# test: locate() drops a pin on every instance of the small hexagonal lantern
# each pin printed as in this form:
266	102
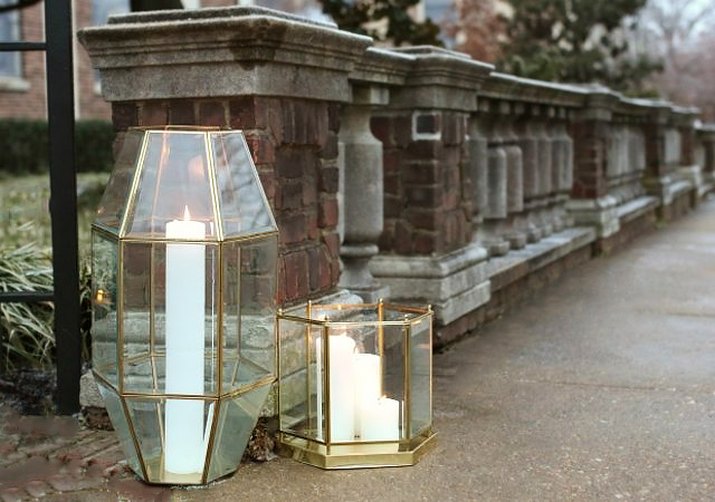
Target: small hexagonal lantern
184	270
356	384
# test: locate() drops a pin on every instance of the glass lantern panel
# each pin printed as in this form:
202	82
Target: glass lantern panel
236	421
115	410
104	307
294	370
420	376
394	379
244	208
174	189
173	437
114	200
174	348
248	311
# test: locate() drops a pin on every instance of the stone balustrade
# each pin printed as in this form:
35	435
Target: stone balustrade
416	174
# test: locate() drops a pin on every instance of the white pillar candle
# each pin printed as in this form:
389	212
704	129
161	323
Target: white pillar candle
342	384
185	318
380	420
368	388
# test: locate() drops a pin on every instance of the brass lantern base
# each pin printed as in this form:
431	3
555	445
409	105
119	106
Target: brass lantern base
356	455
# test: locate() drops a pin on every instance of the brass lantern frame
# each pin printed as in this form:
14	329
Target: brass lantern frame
154	472
328	454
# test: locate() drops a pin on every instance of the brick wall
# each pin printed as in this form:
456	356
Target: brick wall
427	207
294	145
590	139
28	102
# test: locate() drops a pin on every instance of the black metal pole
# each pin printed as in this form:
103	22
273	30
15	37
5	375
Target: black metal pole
63	201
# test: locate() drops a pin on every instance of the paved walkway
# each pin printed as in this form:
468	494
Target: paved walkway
602	388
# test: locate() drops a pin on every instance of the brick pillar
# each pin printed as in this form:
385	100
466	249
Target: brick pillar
426	250
202	76
590	130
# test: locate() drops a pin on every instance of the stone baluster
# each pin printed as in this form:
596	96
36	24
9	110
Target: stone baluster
529	144
516	224
564	181
477	170
496	210
362	195
545	164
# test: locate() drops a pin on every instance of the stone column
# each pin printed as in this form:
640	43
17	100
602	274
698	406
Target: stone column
494	226
362	193
565	178
516	224
478	171
529	143
545	166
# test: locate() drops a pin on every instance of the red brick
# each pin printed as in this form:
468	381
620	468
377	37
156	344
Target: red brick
425	242
392	206
181	112
312	232
403	238
425	219
292	227
381	128
424	195
424	173
212	113
314	269
261	147
425	150
329	148
124	116
153	113
453	128
328	179
332	243
289	195
241	113
328	212
296	275
310	192
334	117
402	125
293	162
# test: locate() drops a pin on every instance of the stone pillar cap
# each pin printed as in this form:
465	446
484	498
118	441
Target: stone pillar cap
222	52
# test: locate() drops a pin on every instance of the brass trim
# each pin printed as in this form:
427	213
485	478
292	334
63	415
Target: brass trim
207	242
212	440
131	196
366	455
120	317
133	434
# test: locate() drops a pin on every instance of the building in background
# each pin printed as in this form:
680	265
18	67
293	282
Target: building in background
22	74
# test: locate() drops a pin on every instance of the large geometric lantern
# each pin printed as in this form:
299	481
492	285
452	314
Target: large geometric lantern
355	384
184	273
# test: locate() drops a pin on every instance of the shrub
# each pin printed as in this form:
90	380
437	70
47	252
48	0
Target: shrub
24	146
26	328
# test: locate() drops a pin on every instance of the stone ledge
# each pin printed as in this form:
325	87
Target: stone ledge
636	208
505	270
455	283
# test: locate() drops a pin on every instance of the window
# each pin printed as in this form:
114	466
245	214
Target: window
10	62
102	9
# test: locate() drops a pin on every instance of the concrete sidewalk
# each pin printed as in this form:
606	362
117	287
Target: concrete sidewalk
603	388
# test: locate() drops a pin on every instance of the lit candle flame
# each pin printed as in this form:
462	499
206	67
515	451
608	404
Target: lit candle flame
187	214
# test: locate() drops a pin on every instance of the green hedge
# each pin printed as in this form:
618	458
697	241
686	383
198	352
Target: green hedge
23	144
